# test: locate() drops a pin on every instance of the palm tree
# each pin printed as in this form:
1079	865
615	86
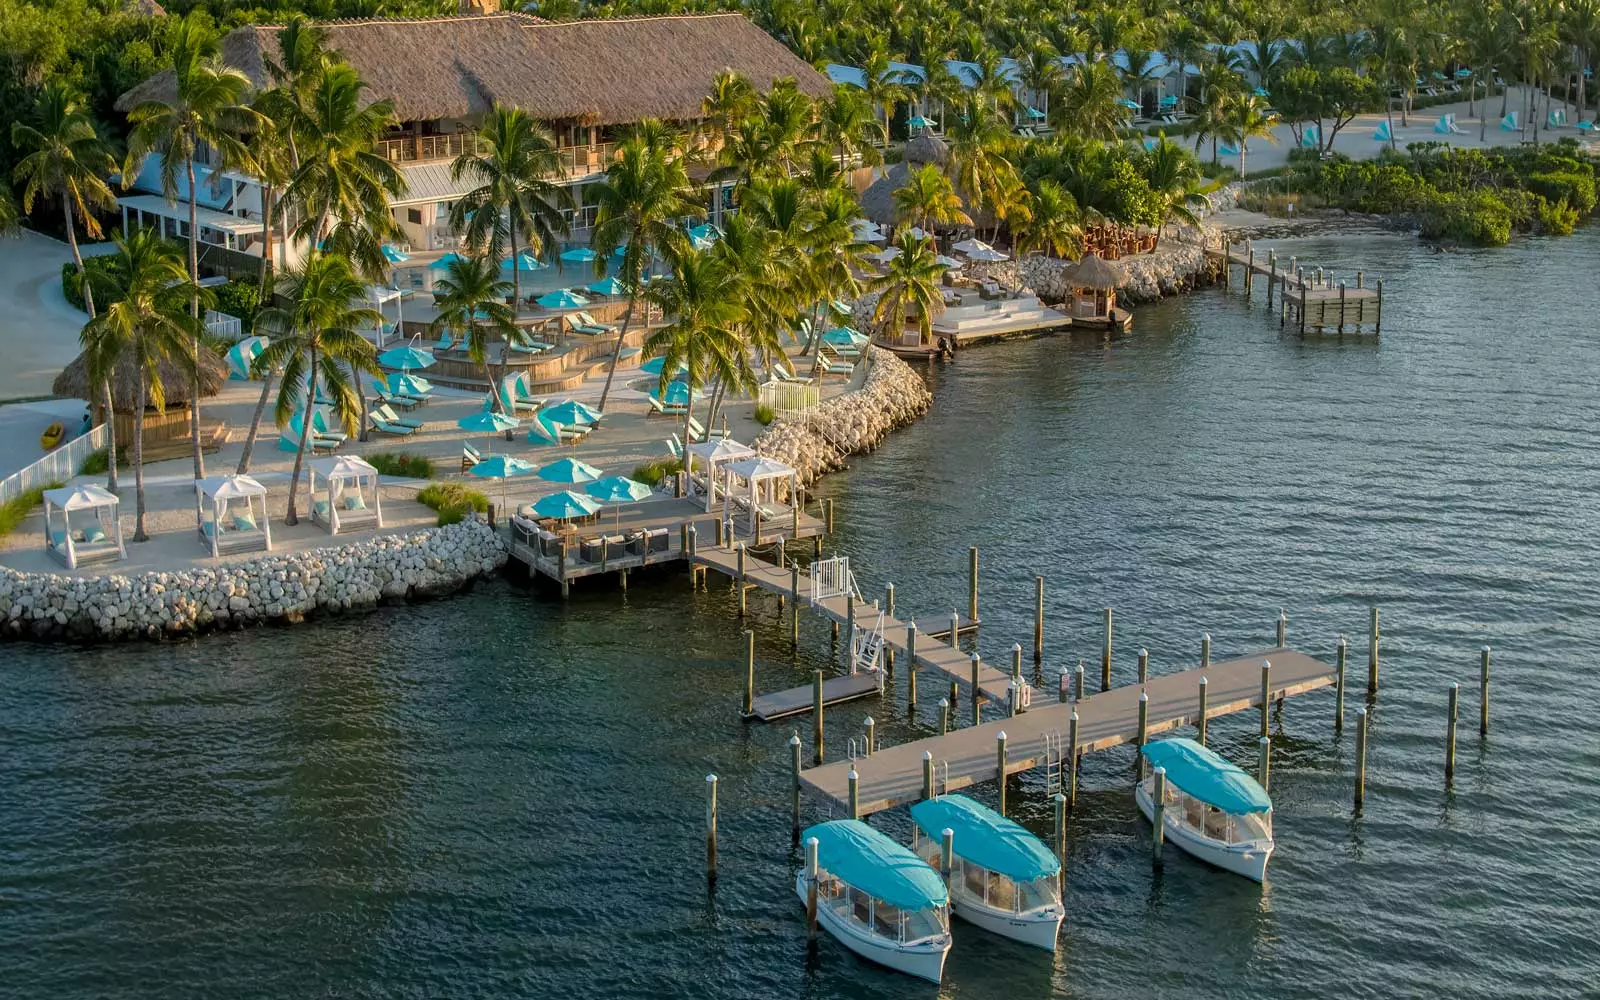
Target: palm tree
1052	226
910	285
884	90
979	165
733	99
315	339
702	297
1040	73
206	111
470	299
63	155
1089	105
833	254
513	161
1174	179
341	175
928	196
788	117
846	122
145	323
1246	118
644	192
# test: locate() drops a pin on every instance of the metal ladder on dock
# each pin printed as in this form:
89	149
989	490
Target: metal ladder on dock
1055	762
866	650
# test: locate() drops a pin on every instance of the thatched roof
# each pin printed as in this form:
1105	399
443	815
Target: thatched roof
927	149
1092	272
73	382
877	201
600	72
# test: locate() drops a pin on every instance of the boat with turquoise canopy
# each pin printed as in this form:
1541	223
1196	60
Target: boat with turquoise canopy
878	899
1213	810
1002	878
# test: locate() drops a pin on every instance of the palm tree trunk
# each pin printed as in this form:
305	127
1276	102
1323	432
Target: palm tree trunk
1389	114
1505	100
88	304
194	311
364	434
266	237
616	352
255	425
107	403
1242	144
138	460
688	415
300	452
495	389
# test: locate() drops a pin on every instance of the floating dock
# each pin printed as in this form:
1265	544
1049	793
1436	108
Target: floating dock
1308	298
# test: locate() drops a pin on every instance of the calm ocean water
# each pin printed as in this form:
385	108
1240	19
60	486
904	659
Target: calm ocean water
501	795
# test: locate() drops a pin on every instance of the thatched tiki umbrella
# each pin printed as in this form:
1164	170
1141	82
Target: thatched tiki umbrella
173	424
1094	283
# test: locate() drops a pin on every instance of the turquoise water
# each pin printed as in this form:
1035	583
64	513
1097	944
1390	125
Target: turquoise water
498	794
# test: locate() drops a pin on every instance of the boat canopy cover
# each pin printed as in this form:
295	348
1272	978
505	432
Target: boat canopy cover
984	837
1207	777
871	862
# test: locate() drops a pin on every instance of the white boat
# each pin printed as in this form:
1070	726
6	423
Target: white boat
1002	878
878	899
1213	810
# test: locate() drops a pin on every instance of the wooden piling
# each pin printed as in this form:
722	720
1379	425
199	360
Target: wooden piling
1072	761
1144	718
1377	326
848	651
1338	682
1144	666
1158	815
1283	628
1264	762
972	583
955	629
1266	693
1361	755
711	827
794	787
812	877
1450	736
1063	687
927	774
749	672
1078	683
794	606
1000	766
944	716
1249	270
855	794
1483	691
1341	307
716	533
1205	650
977	693
827	512
1200	714
1372	655
1105	655
816	716
1038	619
888	611
1060	802
911	664
739	563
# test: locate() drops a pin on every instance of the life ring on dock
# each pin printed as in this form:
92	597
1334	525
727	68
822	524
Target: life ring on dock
52	435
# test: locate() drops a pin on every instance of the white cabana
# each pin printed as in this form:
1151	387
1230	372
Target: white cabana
98	535
715	452
226	515
349	493
381	296
762	476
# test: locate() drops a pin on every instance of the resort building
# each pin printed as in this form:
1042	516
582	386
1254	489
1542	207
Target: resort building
587	80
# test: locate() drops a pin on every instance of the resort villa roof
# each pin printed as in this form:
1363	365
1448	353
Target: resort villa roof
595	72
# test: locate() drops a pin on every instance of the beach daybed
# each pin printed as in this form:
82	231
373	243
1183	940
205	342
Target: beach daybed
98	540
349	493
226	515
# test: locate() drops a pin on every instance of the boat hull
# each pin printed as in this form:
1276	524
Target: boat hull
1249	860
1038	929
925	960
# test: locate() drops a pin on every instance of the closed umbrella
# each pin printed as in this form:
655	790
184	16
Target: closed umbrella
569	470
407	384
562	299
578	255
570	413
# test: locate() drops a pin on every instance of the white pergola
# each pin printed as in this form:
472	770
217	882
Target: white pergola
222	526
382	296
347	482
762	476
99	540
715	452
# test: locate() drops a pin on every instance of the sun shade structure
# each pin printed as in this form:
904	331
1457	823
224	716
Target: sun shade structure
715	452
565	505
407	384
487	422
967	246
562	299
845	335
655	365
578	255
569	470
608	286
571	413
985	837
241	355
501	467
406	357
986	255
394	254
884	256
872	863
226	514
761	477
617	489
920	121
1203	775
524	262
444	262
1093	272
98	535
350	493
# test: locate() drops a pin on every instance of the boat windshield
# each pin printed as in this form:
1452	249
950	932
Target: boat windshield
1037	894
877	917
1215	824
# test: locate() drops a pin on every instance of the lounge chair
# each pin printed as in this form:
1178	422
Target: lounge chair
470	456
1510	124
403	400
1384	133
388	414
664	409
530	347
675	447
444	342
588	325
380	424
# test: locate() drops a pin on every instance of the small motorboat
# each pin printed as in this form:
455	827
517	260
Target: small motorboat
1002	878
1213	811
880	900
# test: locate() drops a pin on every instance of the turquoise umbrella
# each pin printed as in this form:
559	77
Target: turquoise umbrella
569	470
524	262
562	299
578	255
542	431
406	357
1261	92
571	413
1034	113
607	286
393	254
920	122
407	384
844	335
501	467
443	263
1130	105
620	252
617	489
655	365
565	505
677	394
487	422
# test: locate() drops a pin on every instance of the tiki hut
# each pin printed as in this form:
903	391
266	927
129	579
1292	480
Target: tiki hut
172	423
877	201
1092	299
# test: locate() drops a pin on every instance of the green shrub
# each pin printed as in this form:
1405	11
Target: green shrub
765	414
404	464
16	510
94	464
453	501
241	299
72	286
655	473
1557	218
1477	218
1575	189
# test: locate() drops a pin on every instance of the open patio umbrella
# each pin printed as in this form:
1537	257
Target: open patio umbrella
1034	113
608	286
1130	105
617	489
501	467
1170	101
844	335
987	256
884	256
524	262
444	262
969	245
842	308
655	365
918	233
578	255
565	505
705	231
570	413
407	384
562	299
543	431
569	470
946	262
677	394
406	357
1463	73
488	422
393	254
918	121
1262	92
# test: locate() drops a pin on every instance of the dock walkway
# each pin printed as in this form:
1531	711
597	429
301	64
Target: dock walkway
893	775
1306	297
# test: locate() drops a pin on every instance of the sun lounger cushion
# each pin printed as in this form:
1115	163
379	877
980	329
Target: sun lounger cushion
243	522
94	534
320	507
208	528
355	501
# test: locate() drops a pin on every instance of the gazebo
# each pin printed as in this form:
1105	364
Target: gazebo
160	426
1092	299
350	487
762	475
225	514
715	452
98	541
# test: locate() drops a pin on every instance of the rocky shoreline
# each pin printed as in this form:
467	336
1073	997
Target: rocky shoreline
272	588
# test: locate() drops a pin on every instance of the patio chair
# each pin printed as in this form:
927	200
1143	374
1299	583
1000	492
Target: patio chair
445	342
531	347
386	413
380	424
658	408
470	456
591	326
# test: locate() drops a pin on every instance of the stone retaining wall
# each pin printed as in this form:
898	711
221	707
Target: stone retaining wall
360	574
818	442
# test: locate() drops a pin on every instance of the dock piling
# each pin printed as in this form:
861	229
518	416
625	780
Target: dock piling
749	672
711	827
1038	619
1144	721
911	664
812	877
888	610
944	716
1158	816
927	774
1361	755
1283	628
871	725
972	583
794	604
1144	666
794	788
1064	687
947	852
855	794
1264	762
1078	683
739	582
1338	682
1000	763
1372	655
1072	761
1016	661
827	514
1483	691
1200	714
1377	326
848	650
1061	832
1105	655
1205	650
1266	693
816	716
977	692
955	629
1450	737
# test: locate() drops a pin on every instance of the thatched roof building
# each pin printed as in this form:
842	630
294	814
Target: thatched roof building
877	201
598	72
73	382
1093	272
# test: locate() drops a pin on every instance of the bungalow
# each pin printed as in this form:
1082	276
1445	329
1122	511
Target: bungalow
587	80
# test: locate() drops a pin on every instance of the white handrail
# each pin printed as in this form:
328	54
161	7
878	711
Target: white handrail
58	466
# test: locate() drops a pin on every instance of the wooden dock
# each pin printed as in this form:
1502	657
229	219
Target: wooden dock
1307	297
798	701
893	776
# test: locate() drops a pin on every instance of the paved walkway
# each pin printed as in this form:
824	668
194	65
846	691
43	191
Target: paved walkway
38	329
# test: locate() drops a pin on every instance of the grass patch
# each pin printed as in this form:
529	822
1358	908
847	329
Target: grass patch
404	464
765	414
653	473
453	501
16	510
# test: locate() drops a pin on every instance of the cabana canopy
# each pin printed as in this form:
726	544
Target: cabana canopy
221	528
1092	272
347	481
716	452
101	540
759	472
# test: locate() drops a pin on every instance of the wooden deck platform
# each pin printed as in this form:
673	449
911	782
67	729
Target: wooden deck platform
893	776
1306	297
797	701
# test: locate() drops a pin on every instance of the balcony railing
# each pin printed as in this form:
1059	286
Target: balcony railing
576	161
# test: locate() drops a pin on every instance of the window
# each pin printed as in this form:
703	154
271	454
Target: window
414	216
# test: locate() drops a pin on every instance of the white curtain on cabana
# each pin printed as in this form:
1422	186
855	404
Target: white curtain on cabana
219	518
714	453
99	539
762	476
349	493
